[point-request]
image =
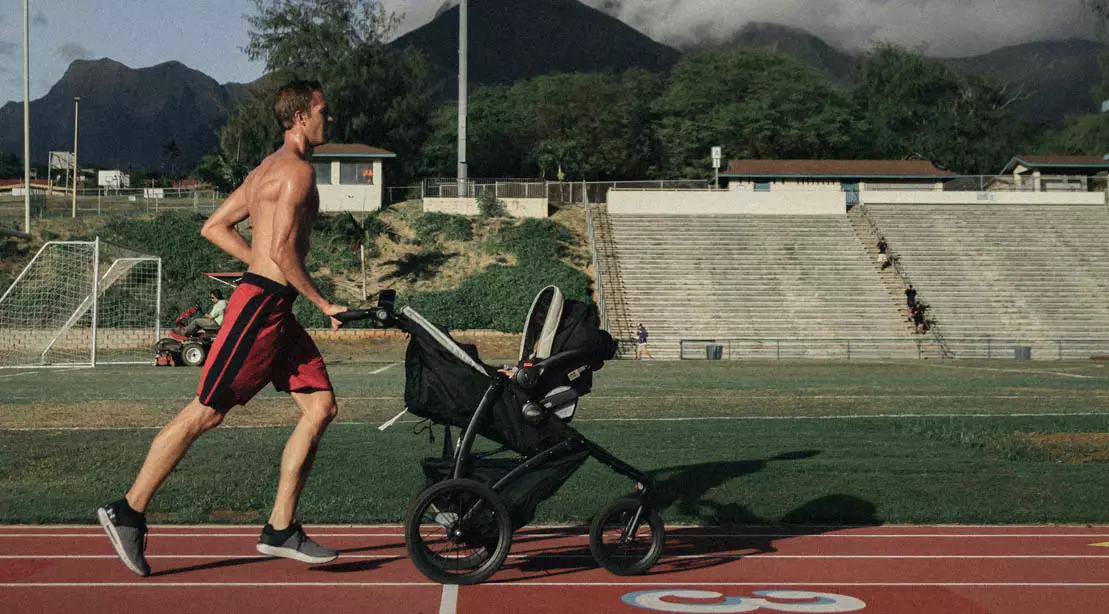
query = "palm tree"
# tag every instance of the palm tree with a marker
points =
(355, 236)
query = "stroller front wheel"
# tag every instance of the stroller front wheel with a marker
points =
(619, 538)
(458, 532)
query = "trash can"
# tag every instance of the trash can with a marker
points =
(714, 352)
(1022, 352)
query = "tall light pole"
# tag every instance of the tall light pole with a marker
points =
(463, 44)
(26, 121)
(76, 169)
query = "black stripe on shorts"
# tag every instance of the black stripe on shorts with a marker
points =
(243, 333)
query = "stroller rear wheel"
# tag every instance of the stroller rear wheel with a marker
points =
(458, 532)
(626, 537)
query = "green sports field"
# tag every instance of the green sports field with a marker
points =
(728, 442)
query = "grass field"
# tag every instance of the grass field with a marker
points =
(729, 443)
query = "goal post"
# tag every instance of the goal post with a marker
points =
(81, 303)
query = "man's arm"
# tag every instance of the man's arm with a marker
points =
(220, 227)
(288, 221)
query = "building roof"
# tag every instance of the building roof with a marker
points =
(838, 169)
(351, 150)
(1085, 163)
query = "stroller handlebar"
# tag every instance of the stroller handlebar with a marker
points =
(379, 315)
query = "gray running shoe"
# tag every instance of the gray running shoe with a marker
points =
(292, 543)
(127, 530)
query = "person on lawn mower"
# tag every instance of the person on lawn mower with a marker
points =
(211, 320)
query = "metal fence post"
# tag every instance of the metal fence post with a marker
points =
(848, 349)
(778, 342)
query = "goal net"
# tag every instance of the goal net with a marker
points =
(81, 303)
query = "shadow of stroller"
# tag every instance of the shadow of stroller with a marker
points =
(684, 488)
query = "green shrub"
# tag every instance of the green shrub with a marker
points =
(499, 297)
(430, 226)
(489, 205)
(533, 239)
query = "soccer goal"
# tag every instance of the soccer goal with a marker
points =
(81, 303)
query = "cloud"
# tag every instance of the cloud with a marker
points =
(74, 51)
(940, 27)
(39, 19)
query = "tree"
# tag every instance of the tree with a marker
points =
(918, 108)
(351, 234)
(378, 95)
(10, 166)
(1100, 10)
(756, 105)
(171, 152)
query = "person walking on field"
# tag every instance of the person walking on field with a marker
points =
(261, 342)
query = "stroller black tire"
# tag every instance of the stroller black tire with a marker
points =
(621, 556)
(461, 514)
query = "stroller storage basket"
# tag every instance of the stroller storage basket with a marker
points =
(523, 494)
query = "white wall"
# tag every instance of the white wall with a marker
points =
(515, 207)
(728, 202)
(353, 197)
(893, 197)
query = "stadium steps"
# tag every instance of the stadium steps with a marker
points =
(1012, 272)
(608, 267)
(769, 277)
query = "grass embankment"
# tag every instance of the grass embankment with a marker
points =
(809, 443)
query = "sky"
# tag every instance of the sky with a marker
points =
(208, 35)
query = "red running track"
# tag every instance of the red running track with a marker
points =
(901, 569)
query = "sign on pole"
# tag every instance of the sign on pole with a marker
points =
(717, 154)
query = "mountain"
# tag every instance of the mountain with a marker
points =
(511, 40)
(127, 115)
(1058, 78)
(810, 49)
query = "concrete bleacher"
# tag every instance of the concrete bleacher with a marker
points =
(1020, 274)
(751, 276)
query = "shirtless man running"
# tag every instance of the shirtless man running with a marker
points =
(260, 342)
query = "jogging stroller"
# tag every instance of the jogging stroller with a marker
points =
(459, 526)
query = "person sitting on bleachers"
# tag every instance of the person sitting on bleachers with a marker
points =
(919, 320)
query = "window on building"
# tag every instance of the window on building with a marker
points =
(762, 186)
(356, 173)
(323, 172)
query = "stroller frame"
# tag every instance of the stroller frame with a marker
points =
(474, 515)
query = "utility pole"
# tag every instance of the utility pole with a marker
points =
(76, 169)
(26, 121)
(463, 69)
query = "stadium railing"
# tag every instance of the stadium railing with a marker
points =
(867, 348)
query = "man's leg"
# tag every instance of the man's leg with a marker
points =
(282, 536)
(124, 520)
(317, 409)
(169, 447)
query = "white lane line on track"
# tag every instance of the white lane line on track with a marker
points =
(284, 584)
(16, 375)
(681, 535)
(384, 369)
(448, 604)
(723, 555)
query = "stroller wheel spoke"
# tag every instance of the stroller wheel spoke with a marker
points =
(626, 537)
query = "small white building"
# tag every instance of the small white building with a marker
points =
(1056, 173)
(350, 177)
(116, 180)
